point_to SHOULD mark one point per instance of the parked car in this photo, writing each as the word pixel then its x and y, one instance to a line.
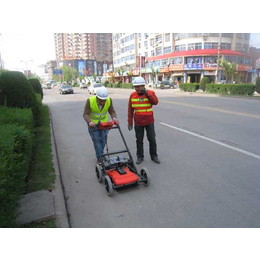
pixel 66 89
pixel 92 89
pixel 166 84
pixel 157 84
pixel 83 85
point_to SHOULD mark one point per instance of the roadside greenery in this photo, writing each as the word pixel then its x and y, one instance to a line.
pixel 203 83
pixel 25 146
pixel 257 86
pixel 228 69
pixel 189 87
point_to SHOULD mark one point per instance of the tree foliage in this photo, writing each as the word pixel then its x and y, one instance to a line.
pixel 257 85
pixel 228 69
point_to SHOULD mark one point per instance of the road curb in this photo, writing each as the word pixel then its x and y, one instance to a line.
pixel 60 207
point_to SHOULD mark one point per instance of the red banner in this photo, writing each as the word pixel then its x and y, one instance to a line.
pixel 164 69
pixel 241 67
pixel 174 67
pixel 136 72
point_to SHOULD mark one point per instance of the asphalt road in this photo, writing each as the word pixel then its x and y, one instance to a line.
pixel 210 172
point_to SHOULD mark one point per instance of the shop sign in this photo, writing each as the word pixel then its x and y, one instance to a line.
pixel 210 66
pixel 241 67
pixel 174 67
pixel 165 69
pixel 136 72
pixel 257 63
pixel 196 66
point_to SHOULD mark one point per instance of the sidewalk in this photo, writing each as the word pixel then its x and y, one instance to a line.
pixel 43 205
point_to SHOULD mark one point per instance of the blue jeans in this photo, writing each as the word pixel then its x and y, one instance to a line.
pixel 99 139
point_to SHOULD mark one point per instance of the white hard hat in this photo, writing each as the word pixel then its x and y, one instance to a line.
pixel 102 93
pixel 139 81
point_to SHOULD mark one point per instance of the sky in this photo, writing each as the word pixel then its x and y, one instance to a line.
pixel 37 49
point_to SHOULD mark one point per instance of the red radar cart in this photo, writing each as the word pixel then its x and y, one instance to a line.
pixel 118 172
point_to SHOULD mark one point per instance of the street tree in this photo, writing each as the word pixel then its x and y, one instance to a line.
pixel 228 69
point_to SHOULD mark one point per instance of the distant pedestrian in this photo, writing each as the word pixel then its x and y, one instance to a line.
pixel 140 109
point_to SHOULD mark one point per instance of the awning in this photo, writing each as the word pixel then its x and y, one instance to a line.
pixel 177 74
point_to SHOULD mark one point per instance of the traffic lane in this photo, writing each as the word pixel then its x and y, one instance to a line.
pixel 239 105
pixel 88 204
pixel 236 130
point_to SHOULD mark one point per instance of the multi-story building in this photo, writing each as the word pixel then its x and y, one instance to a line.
pixel 51 65
pixel 87 52
pixel 183 57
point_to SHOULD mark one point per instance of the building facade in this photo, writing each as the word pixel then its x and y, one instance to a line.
pixel 182 57
pixel 88 53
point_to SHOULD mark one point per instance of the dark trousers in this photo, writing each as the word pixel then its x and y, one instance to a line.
pixel 139 134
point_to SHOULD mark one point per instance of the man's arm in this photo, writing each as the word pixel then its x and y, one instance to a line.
pixel 86 113
pixel 152 97
pixel 111 110
pixel 130 112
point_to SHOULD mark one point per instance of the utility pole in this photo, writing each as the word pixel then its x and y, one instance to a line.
pixel 26 66
pixel 219 48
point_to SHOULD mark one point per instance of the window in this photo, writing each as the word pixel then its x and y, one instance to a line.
pixel 226 46
pixel 146 54
pixel 151 42
pixel 145 44
pixel 167 49
pixel 158 51
pixel 210 59
pixel 180 47
pixel 231 58
pixel 139 35
pixel 239 46
pixel 167 37
pixel 139 45
pixel 210 45
pixel 192 60
pixel 241 60
pixel 230 35
pixel 240 35
pixel 159 38
pixel 247 36
pixel 247 61
pixel 152 53
pixel 156 63
pixel 246 48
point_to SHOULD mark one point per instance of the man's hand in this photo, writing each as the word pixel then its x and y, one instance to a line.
pixel 130 127
pixel 144 91
pixel 91 124
pixel 116 121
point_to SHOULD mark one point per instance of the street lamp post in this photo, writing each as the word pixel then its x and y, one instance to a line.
pixel 26 66
pixel 219 48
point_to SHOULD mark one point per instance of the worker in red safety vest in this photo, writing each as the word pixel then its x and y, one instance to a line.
pixel 140 107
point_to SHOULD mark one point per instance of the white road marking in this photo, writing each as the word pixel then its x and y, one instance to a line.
pixel 214 141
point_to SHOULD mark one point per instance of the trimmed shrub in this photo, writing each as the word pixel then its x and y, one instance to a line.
pixel 233 89
pixel 189 87
pixel 127 85
pixel 16 91
pixel 15 154
pixel 36 85
pixel 203 83
pixel 257 85
pixel 106 83
pixel 21 117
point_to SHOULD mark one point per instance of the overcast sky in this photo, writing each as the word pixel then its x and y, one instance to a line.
pixel 40 48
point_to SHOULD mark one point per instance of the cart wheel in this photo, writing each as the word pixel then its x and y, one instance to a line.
pixel 108 186
pixel 144 173
pixel 99 173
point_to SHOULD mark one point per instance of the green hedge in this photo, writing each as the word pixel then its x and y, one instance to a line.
pixel 122 85
pixel 15 154
pixel 16 91
pixel 21 117
pixel 189 87
pixel 204 82
pixel 232 89
pixel 257 85
pixel 36 85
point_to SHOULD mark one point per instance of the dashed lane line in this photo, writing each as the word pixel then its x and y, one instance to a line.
pixel 213 109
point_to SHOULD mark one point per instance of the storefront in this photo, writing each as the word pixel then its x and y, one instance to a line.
pixel 242 73
pixel 177 73
pixel 209 71
pixel 194 72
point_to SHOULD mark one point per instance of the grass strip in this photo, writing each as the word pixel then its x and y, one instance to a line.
pixel 41 174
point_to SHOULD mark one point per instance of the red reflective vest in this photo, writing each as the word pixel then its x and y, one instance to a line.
pixel 140 108
pixel 141 105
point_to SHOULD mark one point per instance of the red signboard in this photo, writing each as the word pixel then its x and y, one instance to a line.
pixel 136 72
pixel 242 67
pixel 210 66
pixel 166 69
pixel 174 67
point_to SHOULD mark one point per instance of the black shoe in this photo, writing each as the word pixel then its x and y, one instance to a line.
pixel 156 160
pixel 139 160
